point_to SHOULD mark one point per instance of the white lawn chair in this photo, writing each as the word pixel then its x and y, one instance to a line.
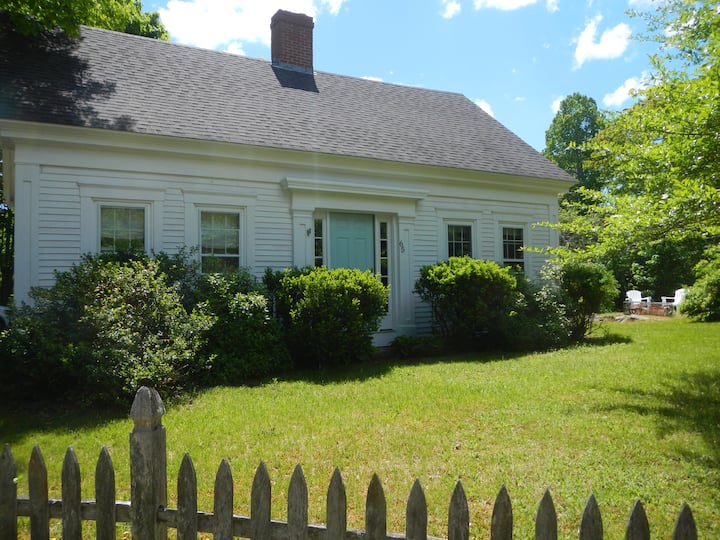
pixel 672 302
pixel 635 301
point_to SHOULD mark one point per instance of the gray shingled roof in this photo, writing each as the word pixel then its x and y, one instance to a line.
pixel 119 81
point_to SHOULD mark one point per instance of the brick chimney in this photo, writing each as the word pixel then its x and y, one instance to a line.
pixel 292 41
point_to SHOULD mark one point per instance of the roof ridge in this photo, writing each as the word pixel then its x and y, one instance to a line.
pixel 264 60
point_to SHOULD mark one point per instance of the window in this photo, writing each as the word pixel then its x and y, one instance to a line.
pixel 459 240
pixel 319 256
pixel 512 247
pixel 384 254
pixel 219 241
pixel 122 229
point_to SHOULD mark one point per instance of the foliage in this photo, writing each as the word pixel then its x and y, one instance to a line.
pixel 587 288
pixel 101 329
pixel 181 270
pixel 470 299
pixel 577 121
pixel 244 341
pixel 330 314
pixel 7 224
pixel 33 16
pixel 659 158
pixel 540 321
pixel 702 303
pixel 416 346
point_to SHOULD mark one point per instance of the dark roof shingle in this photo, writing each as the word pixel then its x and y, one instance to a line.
pixel 119 81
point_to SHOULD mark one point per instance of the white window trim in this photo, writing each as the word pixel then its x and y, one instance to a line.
pixel 459 223
pixel 196 202
pixel 454 217
pixel 94 197
pixel 512 225
pixel 240 212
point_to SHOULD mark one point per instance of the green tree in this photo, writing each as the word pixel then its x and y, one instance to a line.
pixel 660 157
pixel 663 152
pixel 577 121
pixel 34 16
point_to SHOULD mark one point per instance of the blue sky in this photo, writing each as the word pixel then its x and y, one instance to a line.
pixel 516 59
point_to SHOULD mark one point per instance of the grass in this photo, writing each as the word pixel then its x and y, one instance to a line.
pixel 633 415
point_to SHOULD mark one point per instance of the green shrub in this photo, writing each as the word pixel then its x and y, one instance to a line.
pixel 470 299
pixel 586 288
pixel 416 346
pixel 101 329
pixel 181 270
pixel 244 341
pixel 702 302
pixel 539 321
pixel 330 315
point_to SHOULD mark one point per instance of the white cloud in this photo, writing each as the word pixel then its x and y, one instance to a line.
pixel 555 106
pixel 509 5
pixel 371 78
pixel 235 47
pixel 227 24
pixel 623 92
pixel 506 5
pixel 452 8
pixel 485 106
pixel 611 44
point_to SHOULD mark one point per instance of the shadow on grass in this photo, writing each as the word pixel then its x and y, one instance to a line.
pixel 19 419
pixel 606 339
pixel 690 404
pixel 385 362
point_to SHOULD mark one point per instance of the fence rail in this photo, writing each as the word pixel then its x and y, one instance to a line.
pixel 150 518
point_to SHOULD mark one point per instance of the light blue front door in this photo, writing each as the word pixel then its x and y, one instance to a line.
pixel 352 241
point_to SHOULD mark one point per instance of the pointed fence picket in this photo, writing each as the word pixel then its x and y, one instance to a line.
pixel 150 518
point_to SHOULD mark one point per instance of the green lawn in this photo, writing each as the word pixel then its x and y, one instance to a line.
pixel 636 414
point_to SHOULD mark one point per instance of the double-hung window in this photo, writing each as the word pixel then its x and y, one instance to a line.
pixel 459 240
pixel 122 228
pixel 219 241
pixel 513 247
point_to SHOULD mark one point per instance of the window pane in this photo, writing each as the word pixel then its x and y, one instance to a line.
pixel 319 255
pixel 384 253
pixel 459 240
pixel 122 229
pixel 512 246
pixel 219 241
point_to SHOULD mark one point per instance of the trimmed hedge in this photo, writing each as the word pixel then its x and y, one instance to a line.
pixel 471 299
pixel 329 315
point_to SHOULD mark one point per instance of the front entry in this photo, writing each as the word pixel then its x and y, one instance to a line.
pixel 352 241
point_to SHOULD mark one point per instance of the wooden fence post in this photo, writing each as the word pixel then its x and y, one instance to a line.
pixel 148 469
pixel 8 495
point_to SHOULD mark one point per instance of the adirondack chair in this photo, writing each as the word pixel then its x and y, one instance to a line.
pixel 635 301
pixel 672 302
